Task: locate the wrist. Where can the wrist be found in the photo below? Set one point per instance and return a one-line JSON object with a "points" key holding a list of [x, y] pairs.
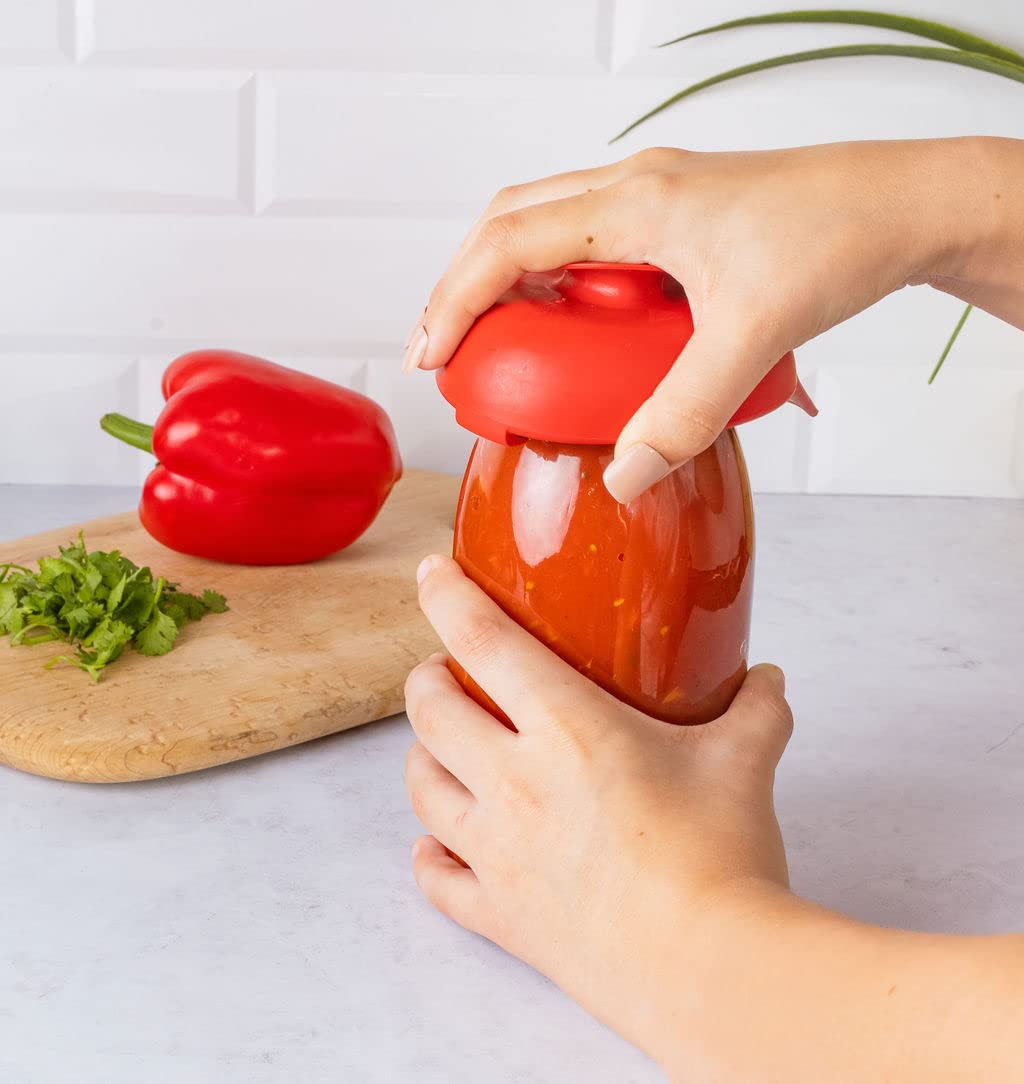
{"points": [[961, 192], [705, 991]]}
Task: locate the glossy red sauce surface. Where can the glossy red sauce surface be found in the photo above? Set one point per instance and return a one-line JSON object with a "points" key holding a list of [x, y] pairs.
{"points": [[651, 601]]}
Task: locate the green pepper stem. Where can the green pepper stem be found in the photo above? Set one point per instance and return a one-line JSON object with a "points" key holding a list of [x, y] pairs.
{"points": [[131, 432]]}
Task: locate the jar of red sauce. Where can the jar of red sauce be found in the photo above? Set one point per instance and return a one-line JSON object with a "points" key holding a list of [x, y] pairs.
{"points": [[650, 600]]}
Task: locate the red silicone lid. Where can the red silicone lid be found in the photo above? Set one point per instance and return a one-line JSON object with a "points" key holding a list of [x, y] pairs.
{"points": [[569, 356]]}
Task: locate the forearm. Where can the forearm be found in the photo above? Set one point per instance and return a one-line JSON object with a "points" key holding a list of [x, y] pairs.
{"points": [[976, 202], [791, 991]]}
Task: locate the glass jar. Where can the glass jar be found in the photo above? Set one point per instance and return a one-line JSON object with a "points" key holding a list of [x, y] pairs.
{"points": [[651, 600]]}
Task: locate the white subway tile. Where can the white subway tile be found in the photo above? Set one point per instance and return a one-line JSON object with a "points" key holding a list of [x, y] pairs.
{"points": [[317, 287], [33, 30], [418, 145], [884, 430], [84, 140], [389, 35], [424, 422], [910, 329], [52, 409]]}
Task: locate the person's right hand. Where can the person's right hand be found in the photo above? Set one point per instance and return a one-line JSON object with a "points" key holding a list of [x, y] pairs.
{"points": [[772, 248]]}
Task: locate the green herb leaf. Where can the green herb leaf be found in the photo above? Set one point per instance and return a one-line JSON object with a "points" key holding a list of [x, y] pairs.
{"points": [[921, 28], [117, 593], [8, 605], [215, 602], [53, 568], [98, 602], [81, 620], [158, 637], [91, 581], [920, 52], [189, 605]]}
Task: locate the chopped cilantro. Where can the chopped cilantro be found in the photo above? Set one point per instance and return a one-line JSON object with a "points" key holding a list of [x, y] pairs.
{"points": [[99, 603]]}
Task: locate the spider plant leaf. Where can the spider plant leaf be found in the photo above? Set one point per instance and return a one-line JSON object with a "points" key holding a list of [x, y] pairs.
{"points": [[920, 52], [952, 339], [922, 28]]}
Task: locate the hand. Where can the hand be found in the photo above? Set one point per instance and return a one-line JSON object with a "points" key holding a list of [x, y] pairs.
{"points": [[772, 248], [601, 843]]}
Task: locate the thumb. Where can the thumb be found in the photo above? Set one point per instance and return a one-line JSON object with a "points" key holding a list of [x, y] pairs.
{"points": [[689, 408], [760, 720]]}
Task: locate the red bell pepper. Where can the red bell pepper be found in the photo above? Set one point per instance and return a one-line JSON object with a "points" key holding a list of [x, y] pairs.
{"points": [[259, 464]]}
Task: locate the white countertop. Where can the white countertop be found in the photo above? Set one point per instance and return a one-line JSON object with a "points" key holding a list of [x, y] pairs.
{"points": [[258, 923]]}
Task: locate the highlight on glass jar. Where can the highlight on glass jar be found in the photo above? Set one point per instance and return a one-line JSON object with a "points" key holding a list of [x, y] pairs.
{"points": [[651, 600]]}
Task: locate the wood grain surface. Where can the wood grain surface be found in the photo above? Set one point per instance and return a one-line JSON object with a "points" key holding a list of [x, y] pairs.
{"points": [[304, 651]]}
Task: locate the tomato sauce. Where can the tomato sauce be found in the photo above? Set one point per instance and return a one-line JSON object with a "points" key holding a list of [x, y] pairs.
{"points": [[650, 600]]}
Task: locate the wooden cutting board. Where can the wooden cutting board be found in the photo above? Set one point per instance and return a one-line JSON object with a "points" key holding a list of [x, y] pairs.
{"points": [[304, 651]]}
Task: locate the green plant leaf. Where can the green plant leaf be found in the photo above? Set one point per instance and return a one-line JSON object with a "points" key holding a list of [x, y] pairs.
{"points": [[117, 593], [215, 602], [158, 637], [8, 604], [952, 339], [183, 607], [919, 52], [921, 28], [99, 603]]}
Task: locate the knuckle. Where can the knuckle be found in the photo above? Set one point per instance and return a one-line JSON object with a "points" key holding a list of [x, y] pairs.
{"points": [[428, 711], [414, 765], [506, 197], [705, 423], [650, 158], [571, 740], [649, 189], [461, 821], [516, 795], [417, 798], [767, 718], [478, 639], [777, 712], [702, 419], [503, 232]]}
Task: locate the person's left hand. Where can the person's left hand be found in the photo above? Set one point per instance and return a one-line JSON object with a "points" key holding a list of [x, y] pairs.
{"points": [[602, 844]]}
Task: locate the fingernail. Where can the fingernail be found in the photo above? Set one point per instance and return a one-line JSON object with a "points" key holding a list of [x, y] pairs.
{"points": [[417, 847], [427, 565], [412, 330], [415, 350], [633, 472]]}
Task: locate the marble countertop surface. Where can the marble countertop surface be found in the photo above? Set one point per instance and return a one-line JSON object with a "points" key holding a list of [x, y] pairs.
{"points": [[259, 923]]}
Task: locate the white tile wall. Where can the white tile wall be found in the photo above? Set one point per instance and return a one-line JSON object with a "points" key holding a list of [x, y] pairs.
{"points": [[289, 177], [454, 36], [121, 142], [34, 30]]}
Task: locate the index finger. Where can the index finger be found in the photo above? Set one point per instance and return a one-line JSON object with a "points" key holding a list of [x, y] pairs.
{"points": [[523, 677], [540, 237]]}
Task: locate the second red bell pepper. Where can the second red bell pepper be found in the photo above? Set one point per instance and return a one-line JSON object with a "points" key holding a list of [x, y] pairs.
{"points": [[260, 464]]}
